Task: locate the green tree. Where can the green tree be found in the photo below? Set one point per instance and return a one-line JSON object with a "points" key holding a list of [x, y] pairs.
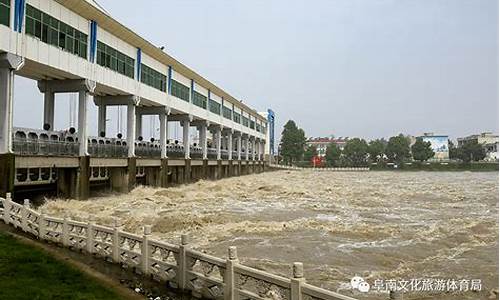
{"points": [[471, 151], [398, 149], [376, 149], [292, 143], [452, 150], [356, 151], [309, 153], [422, 150], [333, 153]]}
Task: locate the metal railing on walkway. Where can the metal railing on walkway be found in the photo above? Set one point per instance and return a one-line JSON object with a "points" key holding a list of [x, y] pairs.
{"points": [[180, 266]]}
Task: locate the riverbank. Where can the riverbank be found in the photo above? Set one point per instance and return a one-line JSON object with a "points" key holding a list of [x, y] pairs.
{"points": [[421, 166], [438, 166]]}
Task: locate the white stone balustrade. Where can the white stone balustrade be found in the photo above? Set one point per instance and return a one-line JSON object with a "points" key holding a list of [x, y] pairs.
{"points": [[205, 276]]}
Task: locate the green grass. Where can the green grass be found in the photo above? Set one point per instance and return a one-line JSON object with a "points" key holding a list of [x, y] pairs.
{"points": [[29, 273]]}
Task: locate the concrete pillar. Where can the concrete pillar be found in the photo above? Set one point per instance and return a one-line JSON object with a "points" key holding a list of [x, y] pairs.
{"points": [[217, 141], [82, 178], [163, 135], [6, 109], [247, 147], [138, 125], [9, 63], [101, 120], [83, 99], [253, 148], [187, 170], [203, 140], [238, 146], [205, 170], [164, 172], [257, 145], [262, 149], [131, 128], [186, 139], [48, 110], [230, 145]]}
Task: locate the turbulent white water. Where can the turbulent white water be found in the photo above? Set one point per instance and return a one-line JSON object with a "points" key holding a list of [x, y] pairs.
{"points": [[380, 225]]}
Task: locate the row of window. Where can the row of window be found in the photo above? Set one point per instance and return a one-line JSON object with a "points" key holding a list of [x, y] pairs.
{"points": [[5, 12], [214, 107], [236, 117], [245, 121], [153, 78], [199, 100], [115, 60], [226, 112], [54, 32], [180, 91]]}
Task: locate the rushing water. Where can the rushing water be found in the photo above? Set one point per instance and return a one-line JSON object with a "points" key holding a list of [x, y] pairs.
{"points": [[378, 225]]}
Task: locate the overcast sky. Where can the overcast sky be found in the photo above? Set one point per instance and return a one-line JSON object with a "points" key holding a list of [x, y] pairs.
{"points": [[366, 68]]}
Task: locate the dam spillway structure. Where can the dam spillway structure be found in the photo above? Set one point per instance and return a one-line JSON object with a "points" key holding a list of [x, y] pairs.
{"points": [[77, 47]]}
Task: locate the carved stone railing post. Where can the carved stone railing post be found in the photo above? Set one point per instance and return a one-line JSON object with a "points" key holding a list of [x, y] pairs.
{"points": [[296, 281], [41, 225], [145, 249], [6, 208], [65, 231], [90, 235], [24, 215], [229, 276], [182, 263], [116, 241]]}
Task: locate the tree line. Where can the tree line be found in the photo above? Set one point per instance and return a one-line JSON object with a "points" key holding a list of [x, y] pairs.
{"points": [[359, 152]]}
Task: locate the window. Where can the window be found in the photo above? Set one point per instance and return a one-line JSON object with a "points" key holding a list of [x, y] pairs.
{"points": [[149, 76], [214, 107], [115, 60], [236, 117], [252, 124], [199, 100], [257, 127], [54, 32], [5, 12], [245, 121], [180, 91], [226, 112]]}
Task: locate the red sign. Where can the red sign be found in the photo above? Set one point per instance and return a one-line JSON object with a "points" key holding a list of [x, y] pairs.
{"points": [[317, 161]]}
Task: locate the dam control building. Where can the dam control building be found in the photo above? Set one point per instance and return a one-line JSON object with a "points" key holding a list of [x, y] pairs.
{"points": [[75, 46]]}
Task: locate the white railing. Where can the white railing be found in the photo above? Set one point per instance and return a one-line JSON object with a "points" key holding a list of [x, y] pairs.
{"points": [[205, 276], [336, 169]]}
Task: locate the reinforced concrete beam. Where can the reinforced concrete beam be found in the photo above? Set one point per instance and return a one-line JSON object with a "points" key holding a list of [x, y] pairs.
{"points": [[153, 110], [117, 100], [181, 118], [67, 86], [199, 123]]}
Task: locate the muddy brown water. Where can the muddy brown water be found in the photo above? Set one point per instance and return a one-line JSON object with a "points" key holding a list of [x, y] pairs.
{"points": [[378, 225]]}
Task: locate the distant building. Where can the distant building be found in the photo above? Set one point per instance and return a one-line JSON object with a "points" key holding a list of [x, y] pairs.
{"points": [[321, 143], [488, 140], [439, 144], [269, 150]]}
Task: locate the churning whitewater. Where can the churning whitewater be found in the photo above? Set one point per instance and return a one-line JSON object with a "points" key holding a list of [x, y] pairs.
{"points": [[378, 225]]}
